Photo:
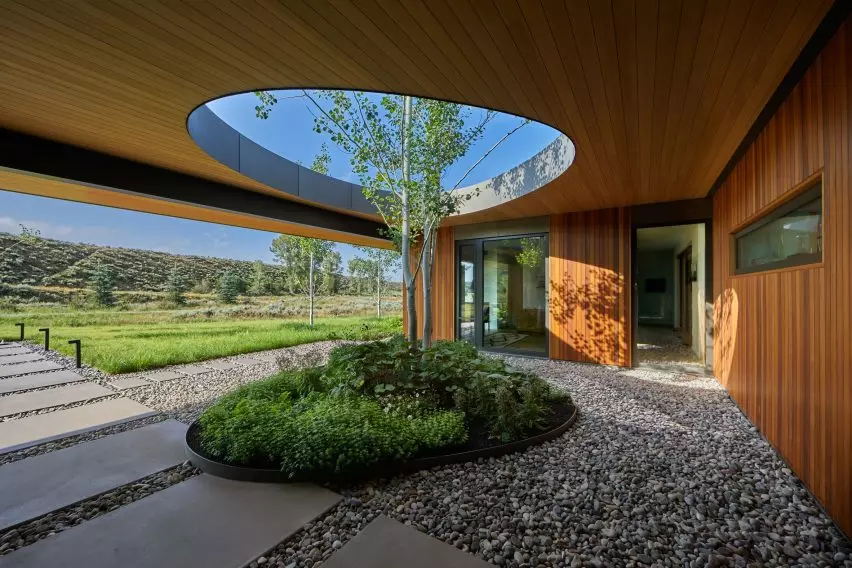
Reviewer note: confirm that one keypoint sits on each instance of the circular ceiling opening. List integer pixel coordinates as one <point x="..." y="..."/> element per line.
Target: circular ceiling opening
<point x="324" y="145"/>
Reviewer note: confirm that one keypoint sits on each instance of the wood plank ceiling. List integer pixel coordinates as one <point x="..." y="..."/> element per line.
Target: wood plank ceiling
<point x="655" y="94"/>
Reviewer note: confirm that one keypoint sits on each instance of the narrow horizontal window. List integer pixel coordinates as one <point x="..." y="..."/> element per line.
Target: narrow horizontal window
<point x="790" y="235"/>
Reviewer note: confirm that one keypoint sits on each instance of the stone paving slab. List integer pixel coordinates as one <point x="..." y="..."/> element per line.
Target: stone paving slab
<point x="268" y="357"/>
<point x="26" y="368"/>
<point x="248" y="361"/>
<point x="45" y="483"/>
<point x="39" y="380"/>
<point x="32" y="430"/>
<point x="162" y="376"/>
<point x="25" y="402"/>
<point x="221" y="365"/>
<point x="9" y="345"/>
<point x="21" y="358"/>
<point x="385" y="543"/>
<point x="203" y="521"/>
<point x="128" y="383"/>
<point x="193" y="370"/>
<point x="12" y="350"/>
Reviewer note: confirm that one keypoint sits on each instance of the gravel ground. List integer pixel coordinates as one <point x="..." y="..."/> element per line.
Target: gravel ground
<point x="47" y="525"/>
<point x="185" y="398"/>
<point x="660" y="469"/>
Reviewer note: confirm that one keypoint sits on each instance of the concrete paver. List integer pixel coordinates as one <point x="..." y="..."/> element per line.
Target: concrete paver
<point x="221" y="365"/>
<point x="162" y="376"/>
<point x="26" y="368"/>
<point x="32" y="430"/>
<point x="204" y="521"/>
<point x="25" y="402"/>
<point x="192" y="370"/>
<point x="385" y="543"/>
<point x="21" y="358"/>
<point x="39" y="380"/>
<point x="7" y="350"/>
<point x="41" y="484"/>
<point x="128" y="383"/>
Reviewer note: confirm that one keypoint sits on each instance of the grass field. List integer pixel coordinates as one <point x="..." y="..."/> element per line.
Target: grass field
<point x="127" y="340"/>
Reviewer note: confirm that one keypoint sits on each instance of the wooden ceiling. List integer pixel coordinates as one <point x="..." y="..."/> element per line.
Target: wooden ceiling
<point x="656" y="95"/>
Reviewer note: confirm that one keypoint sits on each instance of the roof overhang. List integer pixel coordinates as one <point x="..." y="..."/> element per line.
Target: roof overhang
<point x="656" y="97"/>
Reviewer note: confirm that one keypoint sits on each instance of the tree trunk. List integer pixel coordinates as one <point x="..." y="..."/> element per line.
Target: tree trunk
<point x="426" y="270"/>
<point x="378" y="294"/>
<point x="311" y="290"/>
<point x="410" y="284"/>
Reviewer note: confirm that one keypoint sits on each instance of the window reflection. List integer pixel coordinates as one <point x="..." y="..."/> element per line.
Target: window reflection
<point x="790" y="236"/>
<point x="514" y="307"/>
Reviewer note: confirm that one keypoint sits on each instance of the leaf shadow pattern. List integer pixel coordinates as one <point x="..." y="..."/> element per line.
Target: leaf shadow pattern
<point x="589" y="317"/>
<point x="725" y="318"/>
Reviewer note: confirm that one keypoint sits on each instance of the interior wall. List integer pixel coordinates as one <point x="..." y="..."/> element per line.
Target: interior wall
<point x="589" y="295"/>
<point x="694" y="235"/>
<point x="782" y="338"/>
<point x="656" y="308"/>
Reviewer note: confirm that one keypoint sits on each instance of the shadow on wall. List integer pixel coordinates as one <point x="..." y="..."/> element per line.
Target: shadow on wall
<point x="725" y="318"/>
<point x="536" y="172"/>
<point x="586" y="318"/>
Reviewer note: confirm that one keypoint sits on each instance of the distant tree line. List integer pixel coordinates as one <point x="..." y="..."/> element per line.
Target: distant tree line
<point x="31" y="260"/>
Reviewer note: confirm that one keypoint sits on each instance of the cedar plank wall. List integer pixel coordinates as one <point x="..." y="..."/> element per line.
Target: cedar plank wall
<point x="443" y="290"/>
<point x="784" y="338"/>
<point x="589" y="267"/>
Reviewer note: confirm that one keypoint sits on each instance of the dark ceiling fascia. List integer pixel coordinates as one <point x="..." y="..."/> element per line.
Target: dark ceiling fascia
<point x="41" y="156"/>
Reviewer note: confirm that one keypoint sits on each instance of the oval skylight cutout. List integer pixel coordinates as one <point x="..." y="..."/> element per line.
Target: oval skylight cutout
<point x="322" y="145"/>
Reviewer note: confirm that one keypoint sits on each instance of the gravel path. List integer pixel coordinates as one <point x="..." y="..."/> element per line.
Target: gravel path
<point x="660" y="469"/>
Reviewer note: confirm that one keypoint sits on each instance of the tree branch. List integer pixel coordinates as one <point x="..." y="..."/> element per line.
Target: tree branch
<point x="486" y="154"/>
<point x="349" y="137"/>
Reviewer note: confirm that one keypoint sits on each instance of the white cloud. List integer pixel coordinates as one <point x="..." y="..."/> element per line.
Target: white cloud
<point x="218" y="241"/>
<point x="84" y="233"/>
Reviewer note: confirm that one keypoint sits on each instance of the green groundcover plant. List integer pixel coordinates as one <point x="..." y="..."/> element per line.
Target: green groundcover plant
<point x="374" y="402"/>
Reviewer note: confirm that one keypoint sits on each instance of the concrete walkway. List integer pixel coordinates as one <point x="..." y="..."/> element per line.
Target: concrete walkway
<point x="201" y="521"/>
<point x="204" y="521"/>
<point x="45" y="483"/>
<point x="23" y="379"/>
<point x="386" y="543"/>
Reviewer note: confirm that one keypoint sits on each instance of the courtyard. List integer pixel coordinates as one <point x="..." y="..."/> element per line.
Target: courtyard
<point x="659" y="469"/>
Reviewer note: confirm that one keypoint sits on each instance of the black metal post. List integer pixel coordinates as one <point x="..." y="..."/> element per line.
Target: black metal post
<point x="22" y="330"/>
<point x="77" y="343"/>
<point x="46" y="331"/>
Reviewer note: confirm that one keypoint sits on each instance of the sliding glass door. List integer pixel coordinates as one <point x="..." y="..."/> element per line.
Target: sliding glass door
<point x="502" y="293"/>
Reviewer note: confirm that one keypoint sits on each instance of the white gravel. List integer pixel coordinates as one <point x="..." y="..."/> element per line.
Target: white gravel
<point x="660" y="469"/>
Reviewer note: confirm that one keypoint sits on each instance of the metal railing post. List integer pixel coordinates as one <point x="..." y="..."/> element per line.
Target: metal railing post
<point x="46" y="331"/>
<point x="77" y="343"/>
<point x="21" y="325"/>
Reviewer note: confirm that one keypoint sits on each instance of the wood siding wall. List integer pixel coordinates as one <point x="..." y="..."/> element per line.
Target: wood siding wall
<point x="443" y="290"/>
<point x="783" y="339"/>
<point x="589" y="266"/>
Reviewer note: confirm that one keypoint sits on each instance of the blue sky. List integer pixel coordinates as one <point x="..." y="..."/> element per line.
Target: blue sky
<point x="288" y="132"/>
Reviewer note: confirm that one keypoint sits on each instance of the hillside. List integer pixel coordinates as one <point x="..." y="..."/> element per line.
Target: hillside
<point x="62" y="264"/>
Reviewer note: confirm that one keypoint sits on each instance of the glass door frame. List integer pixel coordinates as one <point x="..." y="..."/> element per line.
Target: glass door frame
<point x="479" y="289"/>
